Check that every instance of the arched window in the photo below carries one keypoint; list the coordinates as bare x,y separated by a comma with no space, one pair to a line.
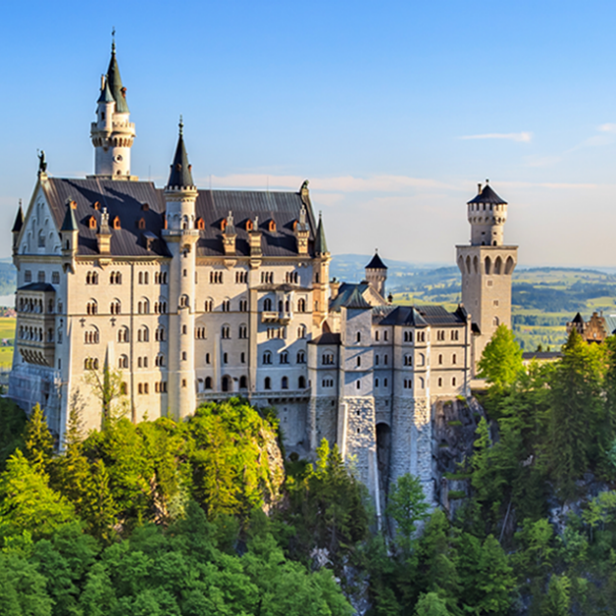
209,305
440,359
143,306
123,334
208,382
327,359
284,383
159,360
226,383
496,322
267,383
453,381
92,278
488,265
301,382
284,357
115,307
301,357
440,381
92,307
184,301
301,331
123,362
159,334
243,331
226,305
243,382
267,357
143,334
267,305
91,336
408,360
225,332
498,265
358,337
301,305
422,359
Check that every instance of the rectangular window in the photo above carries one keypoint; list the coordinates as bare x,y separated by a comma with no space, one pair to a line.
41,276
55,277
28,276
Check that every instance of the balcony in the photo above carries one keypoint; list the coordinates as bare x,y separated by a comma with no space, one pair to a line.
272,316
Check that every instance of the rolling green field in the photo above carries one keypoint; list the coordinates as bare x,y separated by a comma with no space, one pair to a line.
7,332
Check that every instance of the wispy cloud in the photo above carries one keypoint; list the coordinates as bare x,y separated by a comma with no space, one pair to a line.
524,137
608,128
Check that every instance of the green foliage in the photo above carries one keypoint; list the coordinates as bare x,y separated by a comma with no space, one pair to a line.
407,506
27,503
13,422
431,604
38,440
501,361
558,601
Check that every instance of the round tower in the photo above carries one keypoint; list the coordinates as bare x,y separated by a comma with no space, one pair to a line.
181,236
487,214
376,274
112,133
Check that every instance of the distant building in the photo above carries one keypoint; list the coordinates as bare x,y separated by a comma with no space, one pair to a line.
197,295
596,329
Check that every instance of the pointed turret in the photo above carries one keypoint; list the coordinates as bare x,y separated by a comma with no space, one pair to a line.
181,171
112,134
320,244
70,222
114,80
376,273
17,225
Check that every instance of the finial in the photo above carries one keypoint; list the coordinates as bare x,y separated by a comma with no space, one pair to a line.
181,125
113,47
20,203
320,213
487,181
42,161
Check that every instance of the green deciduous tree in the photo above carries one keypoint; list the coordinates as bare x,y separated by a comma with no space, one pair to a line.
501,361
27,503
431,604
38,440
22,588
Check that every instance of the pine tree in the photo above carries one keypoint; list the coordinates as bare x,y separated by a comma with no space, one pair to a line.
495,581
38,440
99,508
574,412
407,506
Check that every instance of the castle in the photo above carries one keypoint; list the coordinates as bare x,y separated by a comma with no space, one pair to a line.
195,295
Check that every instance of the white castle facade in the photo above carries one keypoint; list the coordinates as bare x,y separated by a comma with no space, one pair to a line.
195,295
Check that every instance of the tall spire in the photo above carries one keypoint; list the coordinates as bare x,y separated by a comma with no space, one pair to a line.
181,175
320,245
115,81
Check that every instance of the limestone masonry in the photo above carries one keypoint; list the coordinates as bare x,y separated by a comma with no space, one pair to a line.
194,295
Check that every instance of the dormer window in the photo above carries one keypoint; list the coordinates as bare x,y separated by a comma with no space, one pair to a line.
141,223
96,205
116,222
272,226
92,222
200,224
249,225
223,224
145,207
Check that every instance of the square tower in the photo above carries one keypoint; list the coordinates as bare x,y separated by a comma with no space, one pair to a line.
486,266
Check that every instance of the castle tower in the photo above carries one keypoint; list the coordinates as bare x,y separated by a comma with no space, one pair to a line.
112,134
376,274
486,266
320,283
181,237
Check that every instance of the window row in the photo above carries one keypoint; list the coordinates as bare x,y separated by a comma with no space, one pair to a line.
440,381
35,334
283,357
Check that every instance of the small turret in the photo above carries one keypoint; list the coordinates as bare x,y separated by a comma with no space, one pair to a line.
302,232
487,214
180,176
103,236
376,273
320,244
229,234
69,231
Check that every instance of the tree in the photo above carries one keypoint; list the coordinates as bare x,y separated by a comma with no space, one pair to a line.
22,588
574,412
27,503
431,604
12,425
407,506
107,386
501,361
38,440
99,508
495,580
558,601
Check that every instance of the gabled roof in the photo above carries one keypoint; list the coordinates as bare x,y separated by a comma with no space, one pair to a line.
376,263
487,195
19,221
115,83
181,175
350,296
125,200
404,315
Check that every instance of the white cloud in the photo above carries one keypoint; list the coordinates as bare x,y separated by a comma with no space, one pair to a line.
608,128
522,137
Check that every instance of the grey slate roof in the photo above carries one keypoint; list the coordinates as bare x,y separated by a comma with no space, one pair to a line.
37,286
321,243
326,338
350,296
69,223
376,263
125,199
106,95
422,316
487,195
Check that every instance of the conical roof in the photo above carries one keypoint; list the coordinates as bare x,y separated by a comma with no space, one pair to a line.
114,80
70,223
181,175
320,245
376,263
19,221
106,96
487,195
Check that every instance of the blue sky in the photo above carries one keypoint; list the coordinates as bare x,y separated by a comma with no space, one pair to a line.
393,110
